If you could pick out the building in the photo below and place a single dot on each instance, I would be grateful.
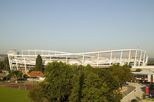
(145, 75)
(25, 60)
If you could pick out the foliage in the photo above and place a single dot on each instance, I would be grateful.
(15, 75)
(36, 94)
(1, 64)
(151, 61)
(73, 83)
(77, 82)
(93, 88)
(39, 64)
(5, 64)
(58, 78)
(121, 73)
(138, 70)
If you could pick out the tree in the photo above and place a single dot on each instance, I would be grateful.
(5, 64)
(113, 94)
(93, 89)
(1, 65)
(15, 75)
(58, 77)
(138, 70)
(39, 64)
(73, 83)
(77, 84)
(99, 86)
(36, 94)
(150, 61)
(121, 74)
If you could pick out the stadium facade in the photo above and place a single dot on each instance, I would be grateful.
(25, 60)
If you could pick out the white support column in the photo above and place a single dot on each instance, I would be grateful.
(16, 63)
(25, 65)
(135, 62)
(97, 59)
(149, 77)
(66, 59)
(82, 59)
(10, 63)
(121, 54)
(111, 58)
(140, 58)
(144, 58)
(129, 56)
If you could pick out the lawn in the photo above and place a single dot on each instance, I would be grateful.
(13, 95)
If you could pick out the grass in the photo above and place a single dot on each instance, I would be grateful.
(13, 95)
(149, 99)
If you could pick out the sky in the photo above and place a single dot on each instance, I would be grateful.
(77, 25)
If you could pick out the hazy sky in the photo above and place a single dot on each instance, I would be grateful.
(77, 25)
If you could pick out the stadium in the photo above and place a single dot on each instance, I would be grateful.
(24, 60)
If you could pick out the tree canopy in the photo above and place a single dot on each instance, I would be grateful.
(150, 61)
(39, 64)
(121, 73)
(5, 64)
(73, 83)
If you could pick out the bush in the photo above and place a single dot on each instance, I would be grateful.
(134, 100)
(138, 70)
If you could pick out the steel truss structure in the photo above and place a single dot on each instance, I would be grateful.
(25, 59)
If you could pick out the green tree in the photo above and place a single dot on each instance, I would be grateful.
(93, 89)
(113, 94)
(138, 70)
(39, 64)
(1, 65)
(77, 84)
(58, 78)
(99, 86)
(73, 83)
(150, 61)
(15, 75)
(5, 64)
(121, 74)
(36, 94)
